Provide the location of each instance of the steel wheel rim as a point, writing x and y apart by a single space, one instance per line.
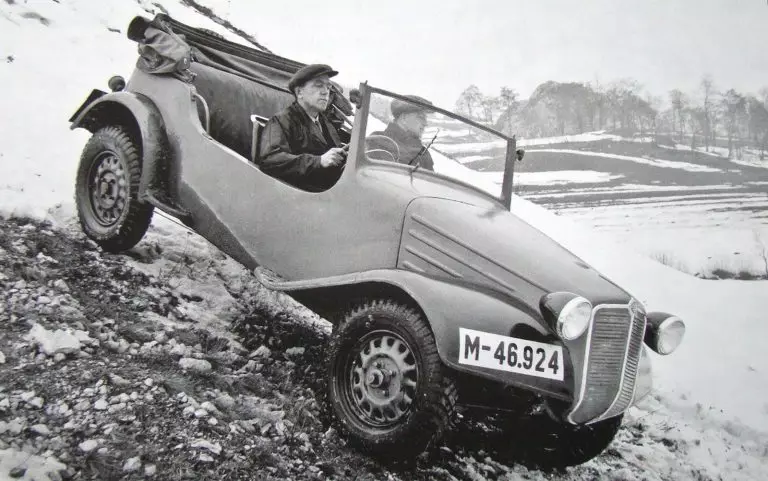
381 379
107 188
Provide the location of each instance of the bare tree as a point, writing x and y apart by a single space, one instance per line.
708 91
733 106
490 106
508 103
679 103
597 104
757 123
470 101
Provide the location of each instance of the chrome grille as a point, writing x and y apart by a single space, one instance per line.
630 369
613 358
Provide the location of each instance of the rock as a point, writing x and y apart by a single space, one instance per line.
82 405
88 446
16 426
5 403
227 358
201 413
132 465
61 285
100 405
213 421
150 470
161 337
205 458
51 343
17 472
262 352
59 356
207 445
84 337
117 381
295 351
26 396
149 382
199 366
188 412
40 429
208 406
178 350
224 402
2 358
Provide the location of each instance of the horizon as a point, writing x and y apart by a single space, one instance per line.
662 45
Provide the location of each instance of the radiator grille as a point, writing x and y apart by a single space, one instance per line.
609 382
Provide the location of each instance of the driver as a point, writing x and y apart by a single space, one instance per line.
405 129
299 145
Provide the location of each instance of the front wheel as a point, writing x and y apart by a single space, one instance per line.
388 390
106 191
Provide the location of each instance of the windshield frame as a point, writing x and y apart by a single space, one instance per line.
361 124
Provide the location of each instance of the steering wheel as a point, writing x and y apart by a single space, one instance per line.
395 156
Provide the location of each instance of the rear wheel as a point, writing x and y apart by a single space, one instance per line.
388 391
106 191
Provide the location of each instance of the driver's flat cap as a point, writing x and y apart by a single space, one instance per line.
307 73
400 107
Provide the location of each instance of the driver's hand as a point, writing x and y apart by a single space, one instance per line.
333 157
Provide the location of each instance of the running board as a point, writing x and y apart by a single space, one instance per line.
272 280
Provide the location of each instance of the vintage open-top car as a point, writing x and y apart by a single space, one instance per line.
440 297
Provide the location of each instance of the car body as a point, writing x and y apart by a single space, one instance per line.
492 288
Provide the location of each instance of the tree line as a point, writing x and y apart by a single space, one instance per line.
706 117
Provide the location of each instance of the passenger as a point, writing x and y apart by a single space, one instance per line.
299 145
405 129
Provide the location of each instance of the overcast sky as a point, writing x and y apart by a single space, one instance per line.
437 48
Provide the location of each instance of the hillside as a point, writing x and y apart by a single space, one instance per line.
171 362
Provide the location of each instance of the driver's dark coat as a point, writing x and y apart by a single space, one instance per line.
291 148
409 146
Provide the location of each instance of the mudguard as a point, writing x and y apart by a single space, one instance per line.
452 305
139 111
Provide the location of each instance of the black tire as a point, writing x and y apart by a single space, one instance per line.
392 399
542 443
107 189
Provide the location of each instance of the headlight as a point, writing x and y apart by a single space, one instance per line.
574 318
664 332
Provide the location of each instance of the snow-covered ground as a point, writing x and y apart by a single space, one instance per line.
710 396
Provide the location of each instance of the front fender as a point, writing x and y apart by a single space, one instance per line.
137 113
450 305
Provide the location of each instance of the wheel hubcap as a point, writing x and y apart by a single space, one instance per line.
108 188
383 378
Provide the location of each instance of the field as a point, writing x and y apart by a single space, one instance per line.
696 211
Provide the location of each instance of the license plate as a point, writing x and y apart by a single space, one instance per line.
504 353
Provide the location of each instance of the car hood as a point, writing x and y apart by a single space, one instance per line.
488 245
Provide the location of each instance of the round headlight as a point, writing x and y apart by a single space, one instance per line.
670 335
574 318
